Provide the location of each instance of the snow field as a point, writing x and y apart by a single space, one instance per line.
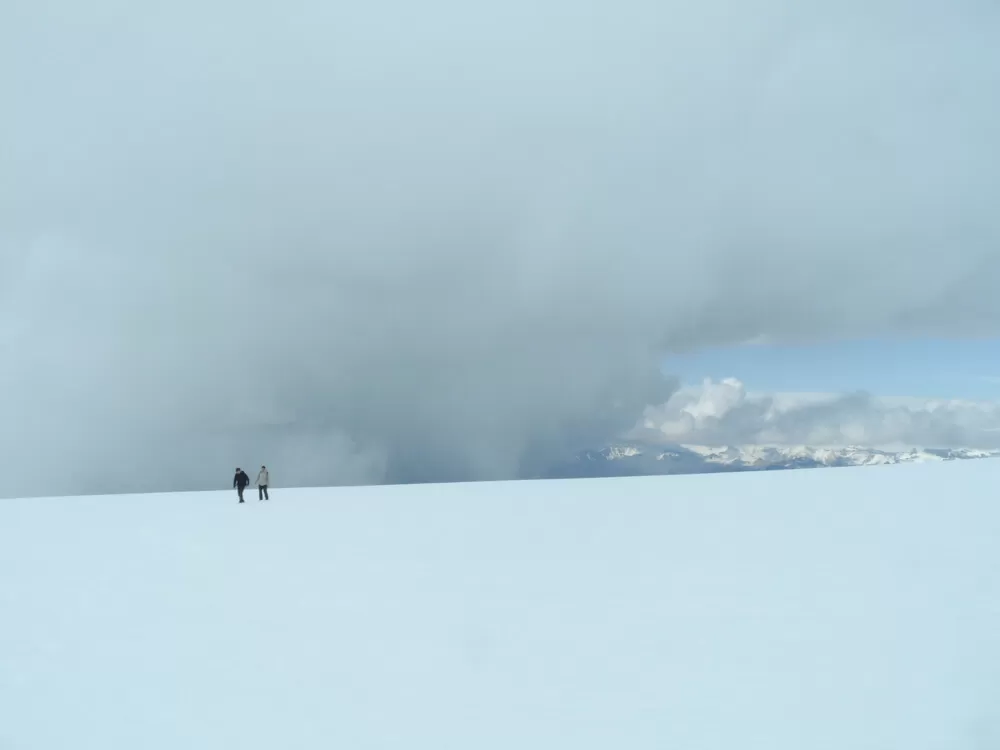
821 609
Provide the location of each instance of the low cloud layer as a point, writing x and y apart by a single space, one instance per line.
723 413
401 241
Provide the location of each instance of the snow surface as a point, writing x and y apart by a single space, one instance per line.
816 610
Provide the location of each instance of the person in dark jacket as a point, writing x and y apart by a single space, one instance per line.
240 482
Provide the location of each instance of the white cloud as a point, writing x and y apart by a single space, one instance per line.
725 413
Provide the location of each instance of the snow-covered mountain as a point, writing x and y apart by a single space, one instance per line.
752 456
627 459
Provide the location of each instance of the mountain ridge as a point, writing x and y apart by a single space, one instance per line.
639 459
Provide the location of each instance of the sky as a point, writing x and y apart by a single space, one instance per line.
883 393
389 242
965 368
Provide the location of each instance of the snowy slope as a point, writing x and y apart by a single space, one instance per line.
765 611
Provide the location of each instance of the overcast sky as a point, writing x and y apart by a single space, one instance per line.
396 241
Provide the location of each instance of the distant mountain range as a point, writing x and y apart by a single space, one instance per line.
634 459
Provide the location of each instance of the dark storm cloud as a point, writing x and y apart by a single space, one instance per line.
397 241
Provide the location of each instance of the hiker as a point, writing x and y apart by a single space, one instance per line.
240 482
262 479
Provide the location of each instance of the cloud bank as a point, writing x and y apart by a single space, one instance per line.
398 242
724 413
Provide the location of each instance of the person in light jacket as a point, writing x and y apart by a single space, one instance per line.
262 481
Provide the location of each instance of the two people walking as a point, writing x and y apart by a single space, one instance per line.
241 481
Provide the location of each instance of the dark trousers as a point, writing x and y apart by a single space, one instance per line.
239 490
262 492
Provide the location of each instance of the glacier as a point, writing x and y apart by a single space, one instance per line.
857 608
